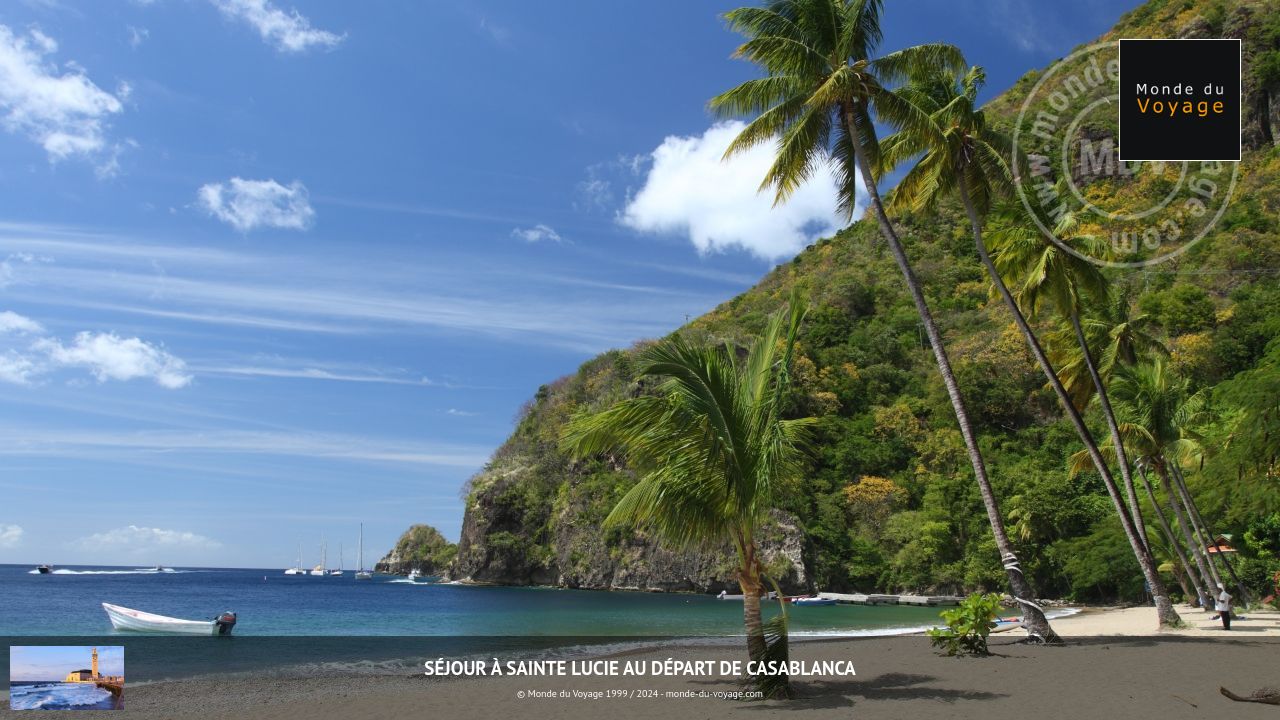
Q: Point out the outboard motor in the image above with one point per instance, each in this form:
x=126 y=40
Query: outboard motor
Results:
x=225 y=622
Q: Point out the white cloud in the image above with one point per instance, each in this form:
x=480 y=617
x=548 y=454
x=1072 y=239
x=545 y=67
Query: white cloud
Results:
x=248 y=204
x=59 y=108
x=17 y=369
x=141 y=541
x=460 y=413
x=10 y=536
x=691 y=190
x=537 y=233
x=287 y=31
x=12 y=322
x=111 y=357
x=137 y=35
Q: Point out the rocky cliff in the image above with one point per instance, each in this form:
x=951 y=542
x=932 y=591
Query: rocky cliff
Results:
x=420 y=548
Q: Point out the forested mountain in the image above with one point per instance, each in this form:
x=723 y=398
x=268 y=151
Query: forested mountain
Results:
x=888 y=501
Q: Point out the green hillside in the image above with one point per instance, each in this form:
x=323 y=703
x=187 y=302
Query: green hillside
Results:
x=888 y=502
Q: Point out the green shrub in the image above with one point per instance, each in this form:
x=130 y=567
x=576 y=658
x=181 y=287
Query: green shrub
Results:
x=967 y=625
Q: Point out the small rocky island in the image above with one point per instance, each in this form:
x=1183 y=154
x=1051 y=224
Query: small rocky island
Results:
x=420 y=548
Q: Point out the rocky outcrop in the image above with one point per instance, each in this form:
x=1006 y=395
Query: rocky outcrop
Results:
x=508 y=541
x=421 y=548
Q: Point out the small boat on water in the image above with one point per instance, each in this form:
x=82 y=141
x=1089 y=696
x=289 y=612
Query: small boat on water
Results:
x=813 y=601
x=44 y=569
x=335 y=573
x=123 y=618
x=361 y=573
x=297 y=569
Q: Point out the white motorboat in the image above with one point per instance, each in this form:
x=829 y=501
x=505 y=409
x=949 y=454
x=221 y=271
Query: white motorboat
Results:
x=123 y=618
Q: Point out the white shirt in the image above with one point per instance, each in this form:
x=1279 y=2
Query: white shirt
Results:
x=1224 y=602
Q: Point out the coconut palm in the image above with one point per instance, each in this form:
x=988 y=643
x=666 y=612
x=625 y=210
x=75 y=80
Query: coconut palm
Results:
x=822 y=84
x=960 y=154
x=711 y=450
x=1162 y=417
x=1044 y=273
x=1174 y=546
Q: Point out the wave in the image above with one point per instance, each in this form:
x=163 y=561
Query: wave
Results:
x=56 y=696
x=136 y=571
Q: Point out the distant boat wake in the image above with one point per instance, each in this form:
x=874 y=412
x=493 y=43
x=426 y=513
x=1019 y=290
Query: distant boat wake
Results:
x=138 y=571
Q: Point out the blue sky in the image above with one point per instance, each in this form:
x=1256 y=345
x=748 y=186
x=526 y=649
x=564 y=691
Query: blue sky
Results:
x=53 y=662
x=269 y=268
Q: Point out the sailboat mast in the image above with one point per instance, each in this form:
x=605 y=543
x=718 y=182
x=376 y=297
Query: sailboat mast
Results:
x=361 y=546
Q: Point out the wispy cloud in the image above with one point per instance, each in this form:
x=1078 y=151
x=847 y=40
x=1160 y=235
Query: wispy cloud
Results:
x=691 y=190
x=287 y=31
x=143 y=542
x=537 y=233
x=61 y=109
x=29 y=441
x=352 y=294
x=137 y=35
x=10 y=536
x=249 y=204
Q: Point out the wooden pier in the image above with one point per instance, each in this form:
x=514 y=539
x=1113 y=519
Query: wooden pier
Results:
x=919 y=600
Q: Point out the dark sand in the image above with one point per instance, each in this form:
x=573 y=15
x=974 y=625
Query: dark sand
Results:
x=1112 y=677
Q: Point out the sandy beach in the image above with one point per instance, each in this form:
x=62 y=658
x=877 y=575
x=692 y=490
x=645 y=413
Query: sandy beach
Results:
x=1112 y=665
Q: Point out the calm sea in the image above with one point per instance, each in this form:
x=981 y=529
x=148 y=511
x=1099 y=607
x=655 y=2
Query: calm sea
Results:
x=69 y=602
x=303 y=625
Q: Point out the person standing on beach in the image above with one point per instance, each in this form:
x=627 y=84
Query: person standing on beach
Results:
x=1223 y=606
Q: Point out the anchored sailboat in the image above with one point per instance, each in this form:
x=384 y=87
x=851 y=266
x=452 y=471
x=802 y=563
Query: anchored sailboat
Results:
x=339 y=570
x=361 y=573
x=324 y=551
x=297 y=569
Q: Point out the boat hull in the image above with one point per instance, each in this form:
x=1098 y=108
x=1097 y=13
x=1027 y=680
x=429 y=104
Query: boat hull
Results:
x=128 y=619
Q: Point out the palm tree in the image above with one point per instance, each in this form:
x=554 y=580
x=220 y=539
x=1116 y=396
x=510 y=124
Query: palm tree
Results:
x=821 y=85
x=711 y=451
x=1174 y=546
x=1046 y=273
x=959 y=153
x=1165 y=415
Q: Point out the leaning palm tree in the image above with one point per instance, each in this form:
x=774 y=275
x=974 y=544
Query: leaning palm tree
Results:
x=1162 y=415
x=821 y=87
x=711 y=450
x=960 y=154
x=1044 y=273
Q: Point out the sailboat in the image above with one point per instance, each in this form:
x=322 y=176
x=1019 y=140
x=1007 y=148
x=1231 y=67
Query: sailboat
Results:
x=297 y=569
x=324 y=551
x=339 y=570
x=361 y=573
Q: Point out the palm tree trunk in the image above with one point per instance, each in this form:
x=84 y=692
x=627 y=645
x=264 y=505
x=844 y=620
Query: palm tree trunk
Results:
x=1122 y=458
x=1162 y=470
x=1206 y=533
x=1201 y=597
x=749 y=579
x=1168 y=617
x=1033 y=619
x=1188 y=506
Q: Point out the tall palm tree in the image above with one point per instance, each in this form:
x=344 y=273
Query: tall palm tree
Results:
x=1168 y=416
x=821 y=86
x=959 y=153
x=1045 y=273
x=711 y=450
x=1175 y=546
x=1156 y=407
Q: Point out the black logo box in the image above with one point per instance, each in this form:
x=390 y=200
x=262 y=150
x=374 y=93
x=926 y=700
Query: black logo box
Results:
x=1180 y=63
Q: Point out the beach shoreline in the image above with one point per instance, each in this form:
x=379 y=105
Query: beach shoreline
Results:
x=1112 y=665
